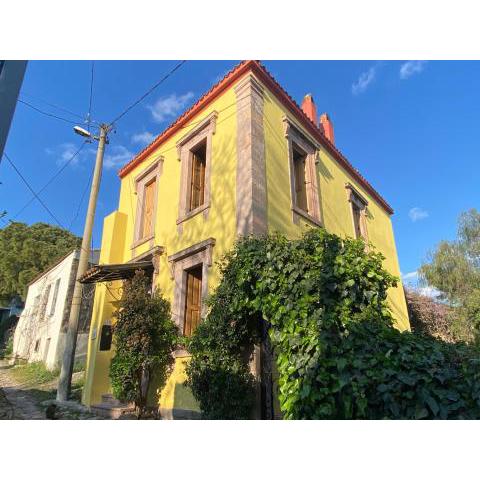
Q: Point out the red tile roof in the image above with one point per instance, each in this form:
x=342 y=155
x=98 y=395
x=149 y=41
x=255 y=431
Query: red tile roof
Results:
x=267 y=79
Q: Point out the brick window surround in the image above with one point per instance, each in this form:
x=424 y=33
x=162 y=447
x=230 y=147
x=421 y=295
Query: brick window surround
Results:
x=186 y=147
x=144 y=179
x=180 y=263
x=300 y=144
x=358 y=207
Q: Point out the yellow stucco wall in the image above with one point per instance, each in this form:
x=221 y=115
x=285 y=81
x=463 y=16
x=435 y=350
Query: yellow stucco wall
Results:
x=334 y=206
x=221 y=224
x=118 y=235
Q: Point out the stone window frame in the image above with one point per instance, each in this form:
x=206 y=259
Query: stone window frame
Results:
x=355 y=198
x=152 y=172
x=294 y=135
x=203 y=132
x=198 y=254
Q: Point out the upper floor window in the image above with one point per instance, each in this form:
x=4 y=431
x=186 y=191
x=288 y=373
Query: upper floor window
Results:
x=197 y=174
x=299 y=166
x=146 y=186
x=194 y=153
x=359 y=212
x=302 y=155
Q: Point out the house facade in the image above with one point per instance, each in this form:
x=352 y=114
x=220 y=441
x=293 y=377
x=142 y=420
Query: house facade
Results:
x=245 y=159
x=41 y=328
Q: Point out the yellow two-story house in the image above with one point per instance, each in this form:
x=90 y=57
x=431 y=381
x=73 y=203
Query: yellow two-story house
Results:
x=244 y=159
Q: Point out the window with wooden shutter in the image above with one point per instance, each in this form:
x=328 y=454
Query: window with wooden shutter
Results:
x=357 y=215
x=193 y=300
x=197 y=176
x=147 y=211
x=299 y=164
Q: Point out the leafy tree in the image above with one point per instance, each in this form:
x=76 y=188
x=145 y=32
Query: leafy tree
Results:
x=454 y=269
x=145 y=337
x=26 y=251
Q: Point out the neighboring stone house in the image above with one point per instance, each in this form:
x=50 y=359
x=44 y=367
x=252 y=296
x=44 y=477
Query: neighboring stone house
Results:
x=244 y=159
x=40 y=332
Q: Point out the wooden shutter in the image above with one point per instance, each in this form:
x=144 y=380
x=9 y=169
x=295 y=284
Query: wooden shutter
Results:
x=300 y=186
x=356 y=221
x=148 y=204
x=197 y=174
x=193 y=300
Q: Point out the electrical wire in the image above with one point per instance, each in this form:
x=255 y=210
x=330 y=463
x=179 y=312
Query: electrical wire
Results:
x=148 y=92
x=32 y=190
x=60 y=170
x=53 y=105
x=91 y=96
x=81 y=200
x=45 y=113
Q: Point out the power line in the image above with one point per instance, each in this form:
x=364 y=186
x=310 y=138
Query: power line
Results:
x=63 y=109
x=148 y=91
x=46 y=113
x=91 y=96
x=33 y=191
x=81 y=201
x=61 y=169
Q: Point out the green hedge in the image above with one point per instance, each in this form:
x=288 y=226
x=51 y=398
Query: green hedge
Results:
x=337 y=352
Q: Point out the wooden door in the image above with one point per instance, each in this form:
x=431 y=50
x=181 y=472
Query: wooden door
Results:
x=193 y=300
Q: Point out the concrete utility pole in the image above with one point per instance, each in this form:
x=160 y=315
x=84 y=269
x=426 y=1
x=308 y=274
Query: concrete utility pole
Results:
x=65 y=379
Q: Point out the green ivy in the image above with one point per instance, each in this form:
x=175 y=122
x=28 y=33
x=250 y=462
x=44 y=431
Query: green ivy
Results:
x=337 y=352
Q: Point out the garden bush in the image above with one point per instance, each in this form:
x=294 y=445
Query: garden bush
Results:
x=337 y=352
x=145 y=337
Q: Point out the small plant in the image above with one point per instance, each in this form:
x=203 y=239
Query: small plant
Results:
x=35 y=373
x=145 y=337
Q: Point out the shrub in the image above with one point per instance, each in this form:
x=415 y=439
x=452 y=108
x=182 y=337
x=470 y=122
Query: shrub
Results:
x=430 y=317
x=337 y=352
x=145 y=337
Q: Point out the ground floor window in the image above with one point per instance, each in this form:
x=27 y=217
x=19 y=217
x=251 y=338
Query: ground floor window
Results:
x=189 y=268
x=193 y=300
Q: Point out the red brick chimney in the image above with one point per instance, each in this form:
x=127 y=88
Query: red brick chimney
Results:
x=309 y=108
x=326 y=126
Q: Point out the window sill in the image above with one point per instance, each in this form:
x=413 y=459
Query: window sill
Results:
x=192 y=213
x=136 y=243
x=306 y=216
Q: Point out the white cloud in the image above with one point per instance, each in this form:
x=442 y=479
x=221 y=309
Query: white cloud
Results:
x=364 y=80
x=64 y=153
x=143 y=138
x=170 y=106
x=417 y=213
x=117 y=156
x=411 y=67
x=411 y=276
x=431 y=292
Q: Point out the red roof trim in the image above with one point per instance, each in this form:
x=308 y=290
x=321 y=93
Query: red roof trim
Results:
x=263 y=75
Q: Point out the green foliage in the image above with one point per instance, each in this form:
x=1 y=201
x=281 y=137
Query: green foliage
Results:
x=431 y=317
x=337 y=352
x=454 y=268
x=34 y=373
x=26 y=251
x=145 y=337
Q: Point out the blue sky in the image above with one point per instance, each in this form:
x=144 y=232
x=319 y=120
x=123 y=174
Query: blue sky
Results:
x=411 y=128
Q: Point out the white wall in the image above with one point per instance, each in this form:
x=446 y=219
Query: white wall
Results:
x=33 y=326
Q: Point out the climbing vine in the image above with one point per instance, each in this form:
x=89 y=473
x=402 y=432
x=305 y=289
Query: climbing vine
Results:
x=337 y=353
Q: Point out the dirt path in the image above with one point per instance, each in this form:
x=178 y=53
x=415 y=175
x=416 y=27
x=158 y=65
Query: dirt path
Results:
x=15 y=401
x=29 y=402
